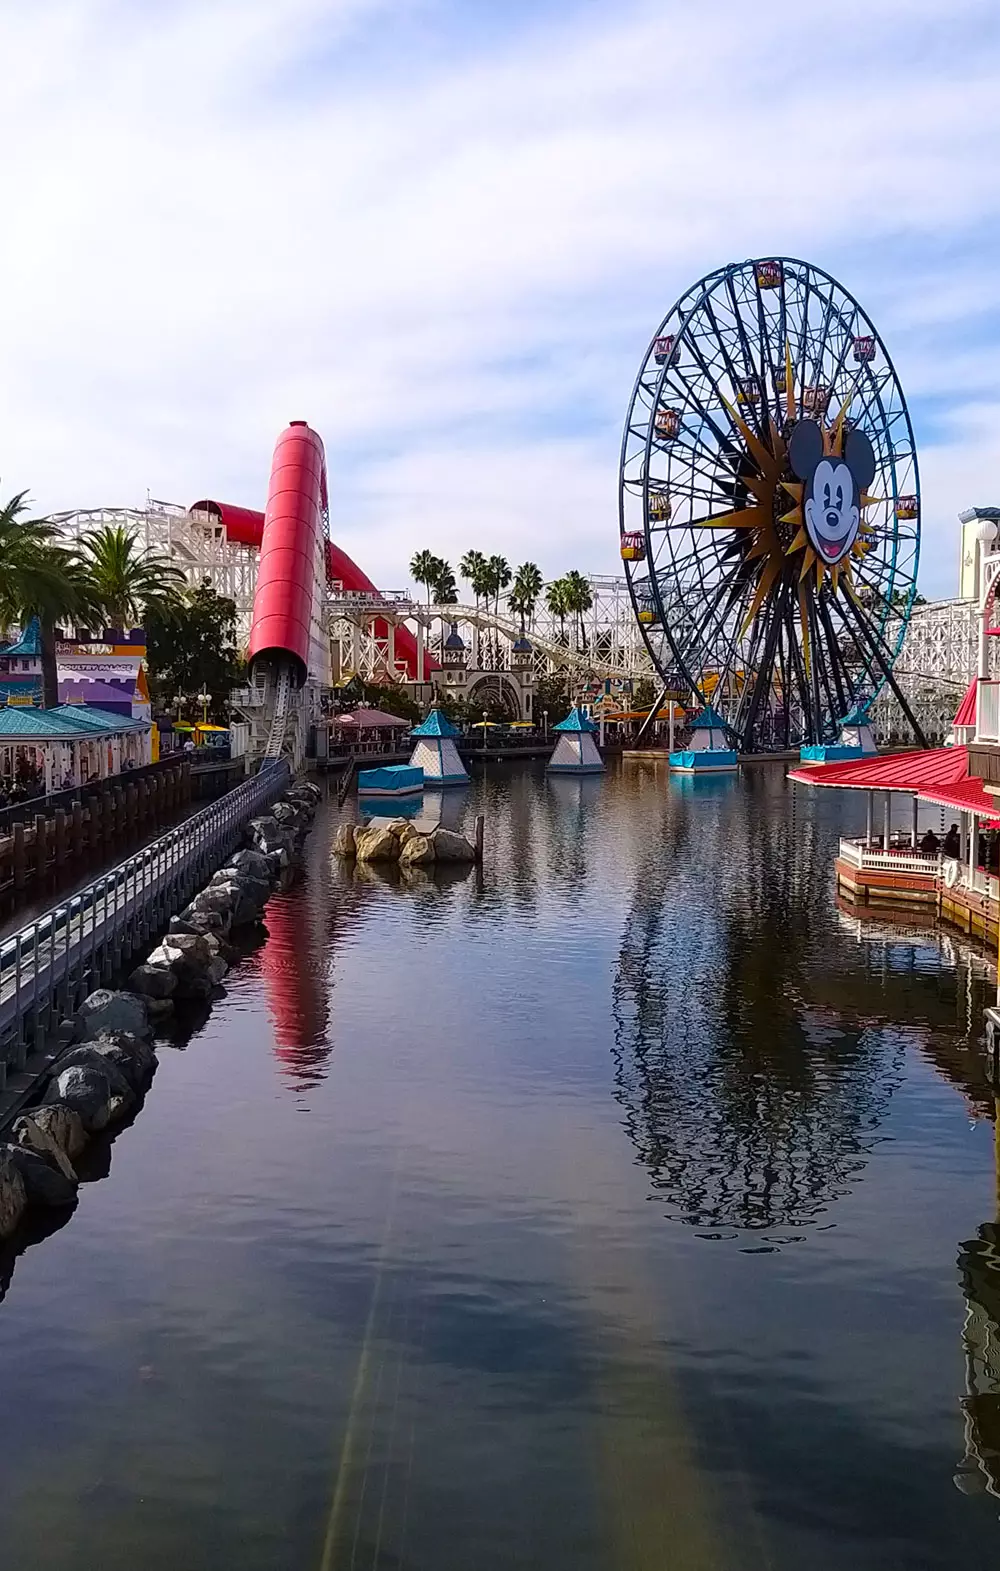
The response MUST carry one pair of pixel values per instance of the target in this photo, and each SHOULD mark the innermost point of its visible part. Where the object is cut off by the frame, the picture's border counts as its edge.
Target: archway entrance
(494, 693)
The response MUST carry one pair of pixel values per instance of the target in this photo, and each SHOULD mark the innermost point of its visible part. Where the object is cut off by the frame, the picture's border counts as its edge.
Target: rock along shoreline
(108, 1060)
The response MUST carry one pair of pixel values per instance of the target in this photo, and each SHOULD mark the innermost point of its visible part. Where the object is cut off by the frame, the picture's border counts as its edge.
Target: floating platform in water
(705, 761)
(707, 753)
(392, 780)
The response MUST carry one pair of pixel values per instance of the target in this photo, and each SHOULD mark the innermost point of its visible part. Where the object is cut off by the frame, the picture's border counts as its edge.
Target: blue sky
(443, 233)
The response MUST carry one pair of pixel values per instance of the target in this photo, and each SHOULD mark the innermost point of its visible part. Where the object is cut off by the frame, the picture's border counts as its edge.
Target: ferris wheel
(770, 503)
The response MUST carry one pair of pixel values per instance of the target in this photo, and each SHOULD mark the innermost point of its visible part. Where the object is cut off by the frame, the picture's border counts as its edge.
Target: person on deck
(930, 843)
(952, 842)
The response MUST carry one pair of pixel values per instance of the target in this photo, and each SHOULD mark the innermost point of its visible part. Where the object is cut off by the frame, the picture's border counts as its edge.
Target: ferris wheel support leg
(875, 648)
(650, 718)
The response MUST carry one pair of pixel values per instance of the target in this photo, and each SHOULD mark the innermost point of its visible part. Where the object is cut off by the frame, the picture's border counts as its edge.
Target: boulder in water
(134, 1058)
(13, 1200)
(59, 1124)
(343, 841)
(452, 847)
(377, 845)
(44, 1184)
(153, 981)
(417, 852)
(87, 1092)
(106, 1010)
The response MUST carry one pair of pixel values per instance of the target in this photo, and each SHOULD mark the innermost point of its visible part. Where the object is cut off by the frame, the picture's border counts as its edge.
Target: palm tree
(424, 569)
(557, 601)
(497, 577)
(527, 588)
(445, 588)
(471, 568)
(445, 591)
(39, 577)
(579, 600)
(125, 578)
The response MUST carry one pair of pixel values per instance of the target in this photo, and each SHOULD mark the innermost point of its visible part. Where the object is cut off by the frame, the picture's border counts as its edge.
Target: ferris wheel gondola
(769, 468)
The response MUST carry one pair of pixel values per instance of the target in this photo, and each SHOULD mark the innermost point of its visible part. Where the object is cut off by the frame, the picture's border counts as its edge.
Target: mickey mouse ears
(805, 453)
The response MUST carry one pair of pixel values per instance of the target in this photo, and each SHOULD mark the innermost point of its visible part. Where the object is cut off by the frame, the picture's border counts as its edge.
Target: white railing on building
(898, 859)
(902, 858)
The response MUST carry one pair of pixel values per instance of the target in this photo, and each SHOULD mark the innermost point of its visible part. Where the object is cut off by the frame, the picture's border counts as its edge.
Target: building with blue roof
(71, 744)
(854, 740)
(436, 752)
(575, 752)
(708, 751)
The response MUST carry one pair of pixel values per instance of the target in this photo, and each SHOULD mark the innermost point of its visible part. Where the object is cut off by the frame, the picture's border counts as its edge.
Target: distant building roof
(857, 716)
(967, 708)
(708, 720)
(376, 718)
(436, 724)
(576, 720)
(454, 639)
(68, 723)
(521, 646)
(30, 641)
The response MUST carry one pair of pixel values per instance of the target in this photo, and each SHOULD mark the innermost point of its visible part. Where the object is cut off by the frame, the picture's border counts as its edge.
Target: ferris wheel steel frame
(723, 588)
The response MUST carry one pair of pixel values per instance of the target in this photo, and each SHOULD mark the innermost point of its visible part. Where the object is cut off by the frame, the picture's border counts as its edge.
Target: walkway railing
(47, 969)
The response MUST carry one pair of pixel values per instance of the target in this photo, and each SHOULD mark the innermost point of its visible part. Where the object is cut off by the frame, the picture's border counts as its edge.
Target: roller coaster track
(622, 662)
(279, 714)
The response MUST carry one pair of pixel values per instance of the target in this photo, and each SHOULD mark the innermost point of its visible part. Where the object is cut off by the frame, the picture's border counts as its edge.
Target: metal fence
(48, 968)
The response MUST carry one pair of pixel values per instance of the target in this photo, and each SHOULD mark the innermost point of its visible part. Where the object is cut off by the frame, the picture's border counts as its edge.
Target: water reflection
(979, 1267)
(751, 1094)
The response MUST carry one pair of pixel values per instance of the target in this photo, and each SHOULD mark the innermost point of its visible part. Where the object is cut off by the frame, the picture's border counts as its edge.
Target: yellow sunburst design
(763, 485)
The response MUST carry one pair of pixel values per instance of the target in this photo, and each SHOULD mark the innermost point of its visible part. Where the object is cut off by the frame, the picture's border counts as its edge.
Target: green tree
(40, 576)
(557, 600)
(525, 591)
(496, 579)
(392, 699)
(579, 600)
(472, 568)
(424, 569)
(444, 586)
(551, 696)
(191, 648)
(128, 581)
(445, 591)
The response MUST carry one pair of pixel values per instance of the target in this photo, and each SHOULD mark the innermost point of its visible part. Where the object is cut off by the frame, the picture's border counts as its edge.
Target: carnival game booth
(71, 745)
(708, 752)
(575, 753)
(369, 731)
(435, 753)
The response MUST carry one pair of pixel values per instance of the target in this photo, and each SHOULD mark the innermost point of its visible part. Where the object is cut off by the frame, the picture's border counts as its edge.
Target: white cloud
(219, 217)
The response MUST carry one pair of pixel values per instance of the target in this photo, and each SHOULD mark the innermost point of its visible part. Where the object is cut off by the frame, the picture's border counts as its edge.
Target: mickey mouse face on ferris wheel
(831, 501)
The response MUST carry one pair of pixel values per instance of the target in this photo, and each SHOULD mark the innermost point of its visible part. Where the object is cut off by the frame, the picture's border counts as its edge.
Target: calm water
(628, 1206)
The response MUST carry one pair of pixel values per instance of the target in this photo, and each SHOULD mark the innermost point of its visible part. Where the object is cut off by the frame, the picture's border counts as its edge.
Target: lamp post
(204, 700)
(545, 724)
(485, 718)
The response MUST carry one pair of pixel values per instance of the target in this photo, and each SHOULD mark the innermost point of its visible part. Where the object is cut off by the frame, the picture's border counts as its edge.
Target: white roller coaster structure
(606, 641)
(937, 661)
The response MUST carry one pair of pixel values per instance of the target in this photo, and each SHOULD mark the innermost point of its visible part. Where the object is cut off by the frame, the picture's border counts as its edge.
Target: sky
(443, 232)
